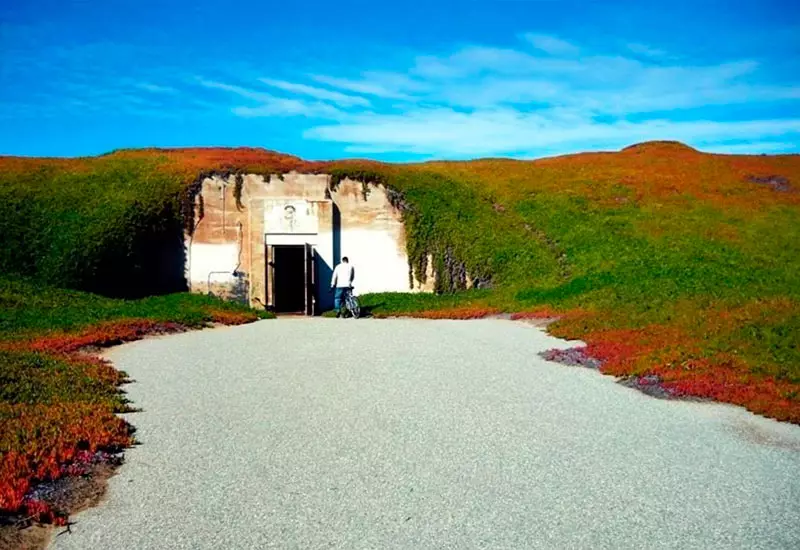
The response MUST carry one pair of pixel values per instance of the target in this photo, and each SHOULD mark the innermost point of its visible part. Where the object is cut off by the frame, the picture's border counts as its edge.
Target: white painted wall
(205, 258)
(379, 264)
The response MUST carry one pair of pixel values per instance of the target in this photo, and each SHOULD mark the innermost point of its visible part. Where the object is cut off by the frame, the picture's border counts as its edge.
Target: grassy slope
(29, 311)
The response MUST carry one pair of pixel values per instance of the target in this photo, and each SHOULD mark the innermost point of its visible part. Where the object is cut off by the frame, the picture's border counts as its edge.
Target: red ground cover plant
(190, 161)
(43, 441)
(231, 317)
(39, 442)
(103, 335)
(541, 313)
(459, 313)
(683, 369)
(725, 378)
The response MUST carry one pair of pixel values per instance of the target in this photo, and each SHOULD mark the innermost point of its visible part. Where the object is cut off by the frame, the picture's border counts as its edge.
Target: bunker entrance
(293, 279)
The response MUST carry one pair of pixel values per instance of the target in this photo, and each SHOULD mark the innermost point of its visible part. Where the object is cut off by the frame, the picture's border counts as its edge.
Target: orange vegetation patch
(541, 313)
(725, 378)
(38, 443)
(194, 160)
(648, 173)
(678, 362)
(626, 352)
(191, 161)
(31, 164)
(460, 313)
(103, 335)
(231, 317)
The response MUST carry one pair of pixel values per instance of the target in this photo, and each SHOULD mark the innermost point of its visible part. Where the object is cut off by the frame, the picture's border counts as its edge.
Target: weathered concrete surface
(317, 433)
(342, 222)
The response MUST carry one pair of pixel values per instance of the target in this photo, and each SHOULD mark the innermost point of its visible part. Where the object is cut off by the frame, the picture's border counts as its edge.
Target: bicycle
(351, 303)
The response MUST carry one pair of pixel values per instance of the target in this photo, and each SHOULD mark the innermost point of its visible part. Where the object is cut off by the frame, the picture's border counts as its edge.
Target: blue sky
(399, 81)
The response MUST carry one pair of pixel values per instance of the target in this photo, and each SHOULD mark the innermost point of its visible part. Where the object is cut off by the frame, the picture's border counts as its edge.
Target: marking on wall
(290, 216)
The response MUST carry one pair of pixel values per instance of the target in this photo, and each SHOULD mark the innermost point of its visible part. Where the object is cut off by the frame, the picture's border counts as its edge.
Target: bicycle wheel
(353, 306)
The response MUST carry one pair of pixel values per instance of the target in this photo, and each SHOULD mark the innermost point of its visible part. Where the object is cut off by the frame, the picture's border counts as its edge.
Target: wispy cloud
(750, 147)
(371, 84)
(485, 100)
(546, 96)
(551, 44)
(79, 77)
(448, 133)
(237, 90)
(278, 107)
(155, 88)
(269, 105)
(319, 93)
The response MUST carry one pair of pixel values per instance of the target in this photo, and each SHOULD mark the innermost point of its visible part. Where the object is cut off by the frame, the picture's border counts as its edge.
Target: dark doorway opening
(289, 278)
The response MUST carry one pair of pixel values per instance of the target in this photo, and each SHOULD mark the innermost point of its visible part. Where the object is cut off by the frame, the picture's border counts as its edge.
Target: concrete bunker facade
(273, 242)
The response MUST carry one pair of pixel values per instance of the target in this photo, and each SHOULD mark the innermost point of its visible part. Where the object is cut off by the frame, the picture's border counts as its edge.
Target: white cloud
(237, 90)
(493, 91)
(551, 44)
(379, 84)
(752, 148)
(449, 133)
(270, 105)
(287, 107)
(482, 100)
(155, 88)
(319, 93)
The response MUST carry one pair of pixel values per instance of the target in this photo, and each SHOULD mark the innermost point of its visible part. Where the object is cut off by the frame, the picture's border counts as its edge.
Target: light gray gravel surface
(318, 433)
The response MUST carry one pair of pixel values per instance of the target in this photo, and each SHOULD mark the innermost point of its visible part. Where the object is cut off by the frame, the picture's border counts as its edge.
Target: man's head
(345, 260)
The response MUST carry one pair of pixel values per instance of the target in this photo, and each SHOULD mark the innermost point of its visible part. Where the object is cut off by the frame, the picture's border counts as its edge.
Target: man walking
(341, 282)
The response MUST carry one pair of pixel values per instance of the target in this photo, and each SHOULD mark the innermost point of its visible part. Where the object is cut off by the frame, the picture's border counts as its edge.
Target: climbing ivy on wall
(237, 190)
(367, 178)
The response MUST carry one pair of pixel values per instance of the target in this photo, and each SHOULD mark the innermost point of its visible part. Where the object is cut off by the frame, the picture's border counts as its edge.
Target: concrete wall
(226, 254)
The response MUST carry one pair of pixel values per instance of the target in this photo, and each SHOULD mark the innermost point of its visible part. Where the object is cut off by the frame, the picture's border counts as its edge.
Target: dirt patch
(778, 183)
(84, 488)
(34, 537)
(754, 433)
(573, 357)
(649, 384)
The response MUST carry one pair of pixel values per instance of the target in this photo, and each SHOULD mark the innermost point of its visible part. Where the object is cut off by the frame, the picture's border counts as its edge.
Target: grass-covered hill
(666, 260)
(671, 264)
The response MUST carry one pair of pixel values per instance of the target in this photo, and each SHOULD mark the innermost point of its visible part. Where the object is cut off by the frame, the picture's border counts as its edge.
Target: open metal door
(270, 291)
(311, 280)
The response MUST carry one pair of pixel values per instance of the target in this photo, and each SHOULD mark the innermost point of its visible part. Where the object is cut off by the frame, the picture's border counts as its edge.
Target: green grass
(397, 303)
(30, 309)
(36, 378)
(112, 227)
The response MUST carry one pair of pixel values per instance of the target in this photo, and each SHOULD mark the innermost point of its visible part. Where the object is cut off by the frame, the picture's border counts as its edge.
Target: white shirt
(343, 276)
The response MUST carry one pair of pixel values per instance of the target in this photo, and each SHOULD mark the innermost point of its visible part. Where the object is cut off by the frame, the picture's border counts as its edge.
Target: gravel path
(318, 433)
